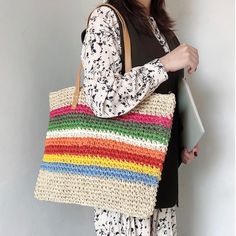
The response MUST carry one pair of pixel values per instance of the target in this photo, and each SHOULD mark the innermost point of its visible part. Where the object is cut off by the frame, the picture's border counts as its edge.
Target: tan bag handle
(127, 52)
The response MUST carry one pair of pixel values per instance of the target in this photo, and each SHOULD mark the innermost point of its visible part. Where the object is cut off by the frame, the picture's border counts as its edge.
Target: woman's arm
(108, 92)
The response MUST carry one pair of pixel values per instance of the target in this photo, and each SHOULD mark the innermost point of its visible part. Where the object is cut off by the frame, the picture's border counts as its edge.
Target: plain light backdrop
(40, 52)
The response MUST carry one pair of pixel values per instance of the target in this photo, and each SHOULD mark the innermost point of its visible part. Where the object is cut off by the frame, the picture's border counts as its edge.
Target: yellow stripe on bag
(103, 162)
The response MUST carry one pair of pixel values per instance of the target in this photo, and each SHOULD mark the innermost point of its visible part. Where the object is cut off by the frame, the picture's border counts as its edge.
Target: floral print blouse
(108, 92)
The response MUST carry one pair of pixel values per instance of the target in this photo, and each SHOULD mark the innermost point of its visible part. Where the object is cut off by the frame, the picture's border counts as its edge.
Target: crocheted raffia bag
(112, 163)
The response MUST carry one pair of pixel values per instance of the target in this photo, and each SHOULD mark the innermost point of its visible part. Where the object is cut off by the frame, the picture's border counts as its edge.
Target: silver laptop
(193, 128)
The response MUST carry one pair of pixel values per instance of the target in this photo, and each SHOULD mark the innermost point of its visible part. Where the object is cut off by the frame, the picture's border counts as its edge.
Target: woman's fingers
(188, 156)
(196, 149)
(191, 69)
(185, 156)
(193, 58)
(186, 152)
(192, 66)
(193, 62)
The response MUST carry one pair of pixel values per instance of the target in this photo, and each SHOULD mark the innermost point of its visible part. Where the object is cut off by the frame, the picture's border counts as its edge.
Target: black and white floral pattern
(108, 92)
(161, 223)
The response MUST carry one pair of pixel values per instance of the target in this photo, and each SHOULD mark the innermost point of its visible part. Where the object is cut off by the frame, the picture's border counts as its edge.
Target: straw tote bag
(112, 163)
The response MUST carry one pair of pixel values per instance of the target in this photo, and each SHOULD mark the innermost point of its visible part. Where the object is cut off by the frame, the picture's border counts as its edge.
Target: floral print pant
(161, 223)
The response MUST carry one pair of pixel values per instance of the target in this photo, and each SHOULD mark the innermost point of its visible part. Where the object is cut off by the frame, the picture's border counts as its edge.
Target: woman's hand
(188, 156)
(182, 56)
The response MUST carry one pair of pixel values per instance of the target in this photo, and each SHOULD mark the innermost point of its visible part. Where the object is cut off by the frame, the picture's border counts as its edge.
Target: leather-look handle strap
(127, 51)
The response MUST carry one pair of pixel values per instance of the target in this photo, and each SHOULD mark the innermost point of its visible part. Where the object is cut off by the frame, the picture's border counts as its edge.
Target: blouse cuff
(163, 75)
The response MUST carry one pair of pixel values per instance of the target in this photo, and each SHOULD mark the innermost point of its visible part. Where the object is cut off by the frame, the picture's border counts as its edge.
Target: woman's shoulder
(104, 13)
(102, 20)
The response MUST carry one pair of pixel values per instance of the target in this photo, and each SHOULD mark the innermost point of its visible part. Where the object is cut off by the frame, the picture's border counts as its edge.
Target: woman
(158, 61)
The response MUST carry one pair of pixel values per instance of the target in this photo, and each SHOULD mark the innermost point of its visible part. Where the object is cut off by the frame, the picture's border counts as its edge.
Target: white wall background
(207, 184)
(39, 52)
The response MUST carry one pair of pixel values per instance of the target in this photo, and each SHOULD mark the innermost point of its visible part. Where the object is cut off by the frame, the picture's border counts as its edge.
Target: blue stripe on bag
(99, 171)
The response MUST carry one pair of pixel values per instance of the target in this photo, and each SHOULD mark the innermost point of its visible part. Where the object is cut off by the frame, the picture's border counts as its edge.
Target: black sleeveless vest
(145, 48)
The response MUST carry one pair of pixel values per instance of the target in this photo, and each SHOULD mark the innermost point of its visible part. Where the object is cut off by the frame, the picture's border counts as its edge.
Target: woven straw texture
(112, 163)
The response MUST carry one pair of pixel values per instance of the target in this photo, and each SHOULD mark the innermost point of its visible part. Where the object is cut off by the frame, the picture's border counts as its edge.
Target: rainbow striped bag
(111, 163)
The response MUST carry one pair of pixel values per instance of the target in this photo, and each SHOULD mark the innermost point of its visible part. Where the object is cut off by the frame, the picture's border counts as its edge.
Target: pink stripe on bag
(131, 116)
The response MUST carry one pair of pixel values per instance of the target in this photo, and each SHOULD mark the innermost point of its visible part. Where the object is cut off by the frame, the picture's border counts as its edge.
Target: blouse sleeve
(107, 91)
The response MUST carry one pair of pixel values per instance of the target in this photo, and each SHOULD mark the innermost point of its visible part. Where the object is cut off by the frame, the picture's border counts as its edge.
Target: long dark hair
(135, 11)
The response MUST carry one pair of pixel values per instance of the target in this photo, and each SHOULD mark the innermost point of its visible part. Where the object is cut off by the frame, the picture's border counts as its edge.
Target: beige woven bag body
(113, 163)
